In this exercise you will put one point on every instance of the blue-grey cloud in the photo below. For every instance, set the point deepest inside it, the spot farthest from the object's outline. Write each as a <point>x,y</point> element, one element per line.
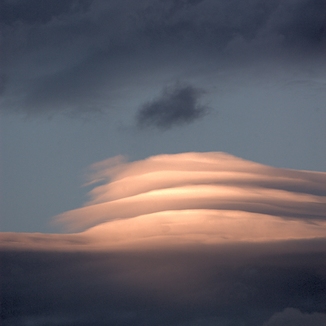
<point>295,317</point>
<point>36,11</point>
<point>70,56</point>
<point>210,285</point>
<point>177,105</point>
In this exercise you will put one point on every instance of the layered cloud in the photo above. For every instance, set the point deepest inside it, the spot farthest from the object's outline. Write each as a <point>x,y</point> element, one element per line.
<point>73,56</point>
<point>185,239</point>
<point>213,196</point>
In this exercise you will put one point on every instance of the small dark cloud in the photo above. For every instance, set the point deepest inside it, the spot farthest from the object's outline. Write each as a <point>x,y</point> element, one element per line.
<point>177,105</point>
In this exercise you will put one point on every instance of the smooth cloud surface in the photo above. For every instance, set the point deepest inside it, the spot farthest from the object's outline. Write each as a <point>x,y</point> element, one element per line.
<point>208,197</point>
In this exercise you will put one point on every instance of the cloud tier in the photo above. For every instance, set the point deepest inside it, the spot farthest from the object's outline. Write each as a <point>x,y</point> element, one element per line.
<point>193,198</point>
<point>208,197</point>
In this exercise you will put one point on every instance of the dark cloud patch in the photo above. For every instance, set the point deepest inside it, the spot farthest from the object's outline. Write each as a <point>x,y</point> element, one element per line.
<point>38,11</point>
<point>304,24</point>
<point>213,25</point>
<point>295,317</point>
<point>2,83</point>
<point>239,284</point>
<point>44,43</point>
<point>67,91</point>
<point>177,105</point>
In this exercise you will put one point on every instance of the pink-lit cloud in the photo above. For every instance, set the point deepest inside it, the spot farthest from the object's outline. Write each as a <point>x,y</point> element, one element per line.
<point>187,199</point>
<point>183,240</point>
<point>206,197</point>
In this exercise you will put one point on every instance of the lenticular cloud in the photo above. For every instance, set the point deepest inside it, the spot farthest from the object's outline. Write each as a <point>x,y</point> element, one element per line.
<point>186,239</point>
<point>199,198</point>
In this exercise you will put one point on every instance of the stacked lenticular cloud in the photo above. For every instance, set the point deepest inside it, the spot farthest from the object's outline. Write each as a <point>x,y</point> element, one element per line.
<point>201,197</point>
<point>182,240</point>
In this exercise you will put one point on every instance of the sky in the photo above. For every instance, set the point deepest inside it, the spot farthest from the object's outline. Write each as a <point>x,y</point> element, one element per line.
<point>83,81</point>
<point>169,156</point>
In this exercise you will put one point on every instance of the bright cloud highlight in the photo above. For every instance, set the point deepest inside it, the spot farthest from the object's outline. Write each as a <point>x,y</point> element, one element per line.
<point>206,197</point>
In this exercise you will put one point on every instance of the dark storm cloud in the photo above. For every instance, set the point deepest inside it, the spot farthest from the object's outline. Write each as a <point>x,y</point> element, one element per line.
<point>63,56</point>
<point>176,106</point>
<point>238,284</point>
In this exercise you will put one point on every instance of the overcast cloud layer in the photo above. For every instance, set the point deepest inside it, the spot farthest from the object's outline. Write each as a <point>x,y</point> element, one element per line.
<point>187,239</point>
<point>82,55</point>
<point>240,284</point>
